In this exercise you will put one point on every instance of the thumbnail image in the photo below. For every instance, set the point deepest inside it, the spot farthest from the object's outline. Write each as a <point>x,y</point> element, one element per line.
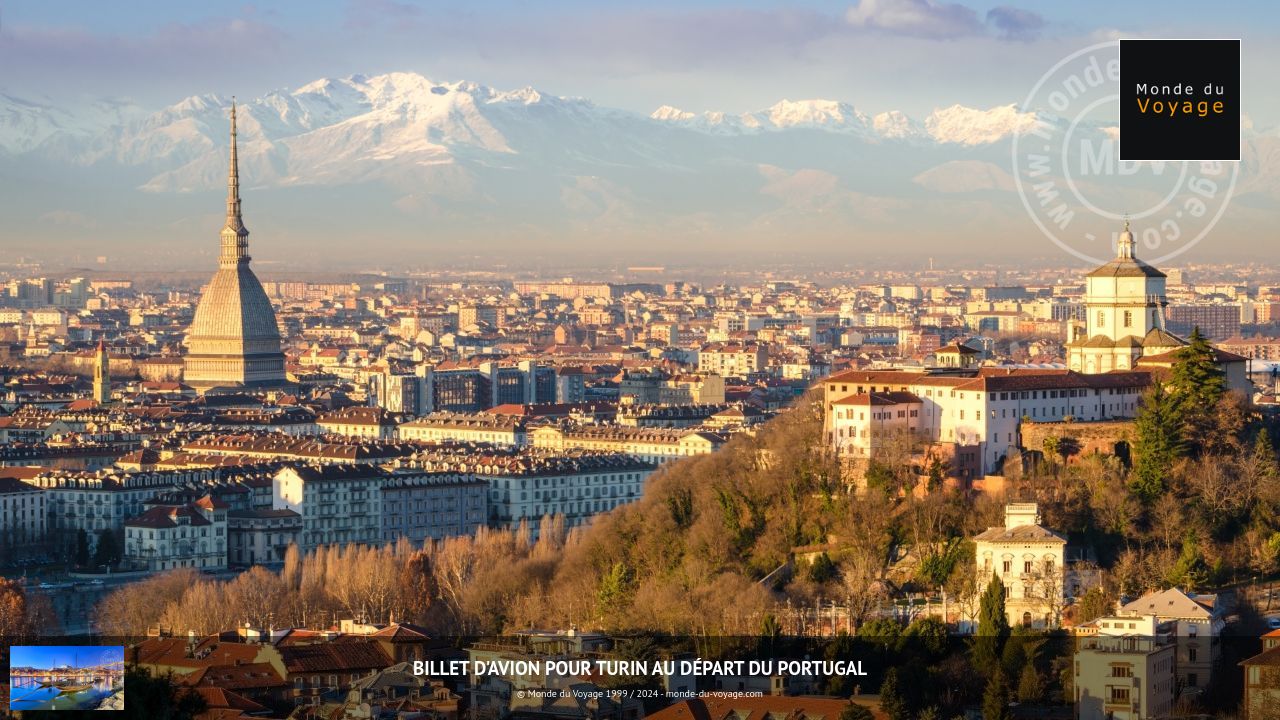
<point>66,677</point>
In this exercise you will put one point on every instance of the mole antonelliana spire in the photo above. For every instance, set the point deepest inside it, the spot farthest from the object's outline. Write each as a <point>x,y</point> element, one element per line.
<point>234,340</point>
<point>235,236</point>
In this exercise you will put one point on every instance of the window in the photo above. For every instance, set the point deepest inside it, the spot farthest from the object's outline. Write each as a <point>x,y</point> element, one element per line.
<point>1026,567</point>
<point>1119,694</point>
<point>1122,671</point>
<point>1008,565</point>
<point>1102,317</point>
<point>1128,318</point>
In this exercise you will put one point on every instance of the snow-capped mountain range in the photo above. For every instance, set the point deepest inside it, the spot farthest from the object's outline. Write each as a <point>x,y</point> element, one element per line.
<point>356,128</point>
<point>440,160</point>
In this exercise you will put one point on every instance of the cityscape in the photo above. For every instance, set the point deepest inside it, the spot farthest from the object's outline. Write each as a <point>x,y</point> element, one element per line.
<point>530,479</point>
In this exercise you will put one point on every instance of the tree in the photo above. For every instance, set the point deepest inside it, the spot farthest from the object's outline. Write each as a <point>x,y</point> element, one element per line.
<point>937,472</point>
<point>930,634</point>
<point>1198,384</point>
<point>1190,571</point>
<point>1095,603</point>
<point>893,701</point>
<point>993,625</point>
<point>854,711</point>
<point>995,699</point>
<point>1051,448</point>
<point>157,697</point>
<point>615,588</point>
<point>82,548</point>
<point>1159,427</point>
<point>1030,687</point>
<point>822,569</point>
<point>13,609</point>
<point>108,551</point>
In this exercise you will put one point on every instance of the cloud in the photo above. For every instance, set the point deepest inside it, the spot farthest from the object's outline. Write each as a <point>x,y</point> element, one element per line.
<point>1013,23</point>
<point>174,55</point>
<point>917,18</point>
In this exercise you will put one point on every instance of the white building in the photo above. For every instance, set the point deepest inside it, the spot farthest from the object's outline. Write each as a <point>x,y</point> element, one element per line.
<point>653,445</point>
<point>732,359</point>
<point>23,515</point>
<point>1197,622</point>
<point>863,422</point>
<point>339,504</point>
<point>190,535</point>
<point>104,500</point>
<point>1124,314</point>
<point>359,422</point>
<point>578,486</point>
<point>507,430</point>
<point>976,413</point>
<point>1029,560</point>
<point>1125,671</point>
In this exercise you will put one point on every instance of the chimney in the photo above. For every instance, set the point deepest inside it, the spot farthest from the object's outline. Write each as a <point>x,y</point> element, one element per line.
<point>191,643</point>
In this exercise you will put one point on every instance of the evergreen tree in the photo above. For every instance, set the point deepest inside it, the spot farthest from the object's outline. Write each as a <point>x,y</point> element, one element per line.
<point>1159,427</point>
<point>995,700</point>
<point>993,620</point>
<point>893,701</point>
<point>1196,377</point>
<point>854,711</point>
<point>615,588</point>
<point>1264,455</point>
<point>1190,571</point>
<point>822,569</point>
<point>993,625</point>
<point>107,552</point>
<point>82,548</point>
<point>1198,384</point>
<point>1030,688</point>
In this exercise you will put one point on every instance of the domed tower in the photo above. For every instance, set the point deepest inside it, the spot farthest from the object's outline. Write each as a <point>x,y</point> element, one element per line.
<point>234,340</point>
<point>1124,314</point>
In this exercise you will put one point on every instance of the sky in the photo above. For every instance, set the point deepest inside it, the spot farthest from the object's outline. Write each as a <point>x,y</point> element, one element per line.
<point>50,656</point>
<point>914,56</point>
<point>909,55</point>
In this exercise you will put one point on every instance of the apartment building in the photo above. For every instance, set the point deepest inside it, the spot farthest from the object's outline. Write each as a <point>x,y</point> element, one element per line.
<point>424,506</point>
<point>1125,671</point>
<point>576,486</point>
<point>649,444</point>
<point>176,534</point>
<point>733,359</point>
<point>507,430</point>
<point>339,504</point>
<point>1197,622</point>
<point>23,514</point>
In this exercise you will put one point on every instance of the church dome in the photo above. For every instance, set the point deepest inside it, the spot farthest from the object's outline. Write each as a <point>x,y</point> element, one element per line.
<point>1125,263</point>
<point>234,308</point>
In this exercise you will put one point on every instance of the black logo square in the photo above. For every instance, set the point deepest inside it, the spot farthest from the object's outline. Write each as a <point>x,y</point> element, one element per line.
<point>1179,99</point>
